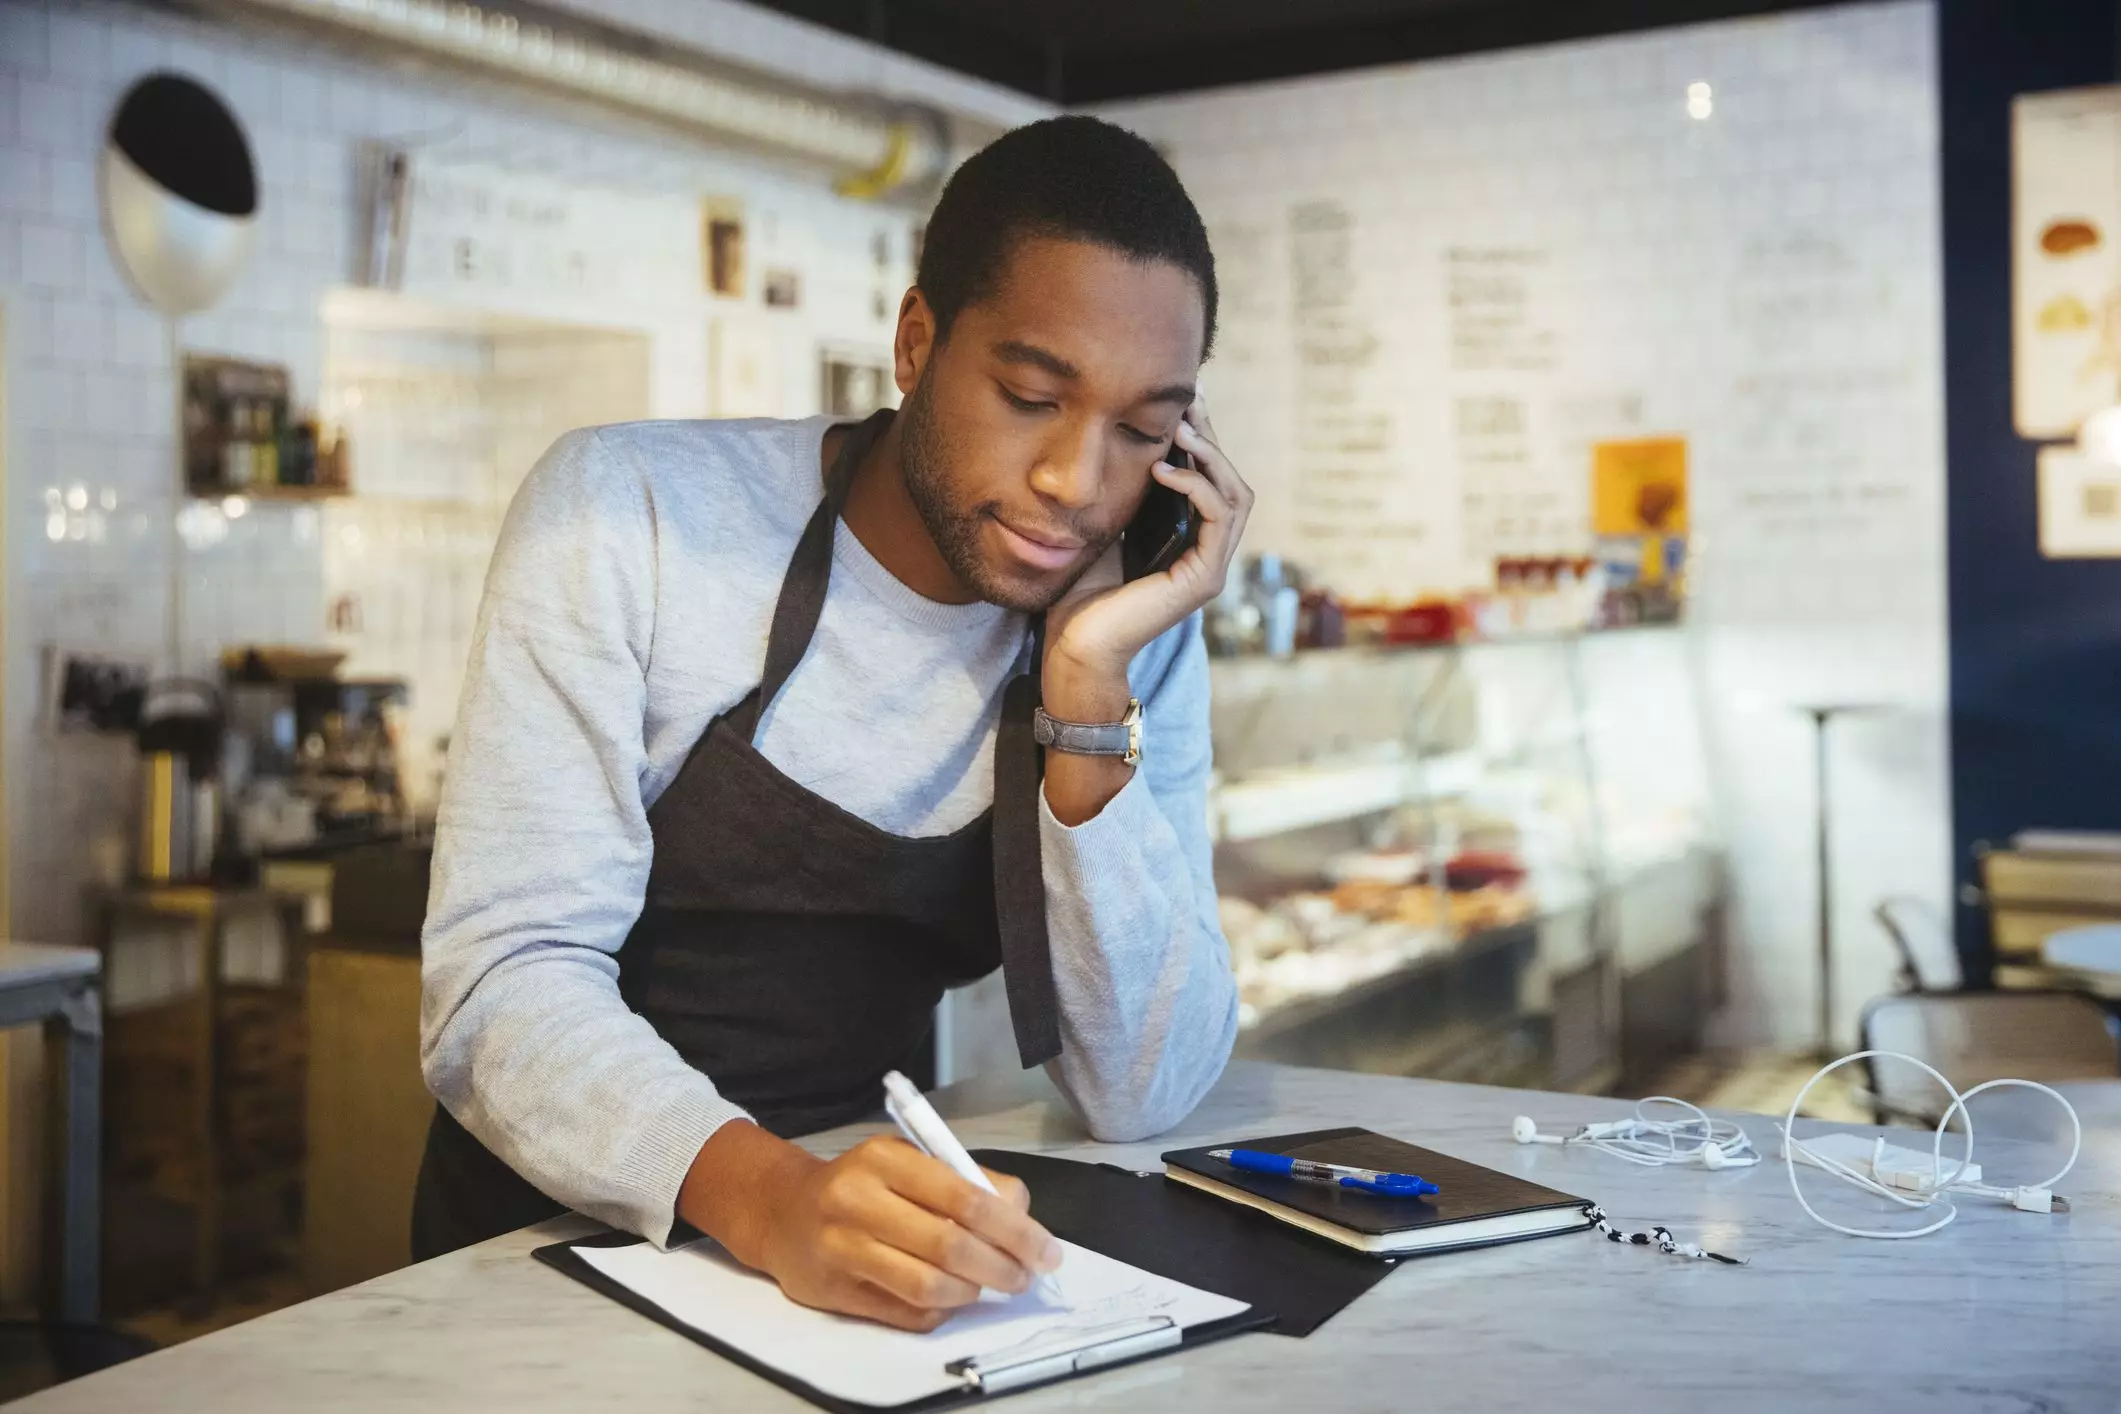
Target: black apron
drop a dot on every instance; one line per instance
(786, 948)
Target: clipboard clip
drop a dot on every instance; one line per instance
(1045, 1358)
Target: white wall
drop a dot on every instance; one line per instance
(95, 399)
(1765, 283)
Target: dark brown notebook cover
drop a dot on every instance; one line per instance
(1468, 1192)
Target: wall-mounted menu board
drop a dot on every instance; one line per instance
(2066, 258)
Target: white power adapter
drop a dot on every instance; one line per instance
(1908, 1169)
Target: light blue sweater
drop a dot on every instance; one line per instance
(626, 607)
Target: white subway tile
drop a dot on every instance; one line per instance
(80, 45)
(251, 84)
(137, 46)
(25, 182)
(73, 194)
(304, 100)
(10, 107)
(52, 257)
(25, 39)
(48, 117)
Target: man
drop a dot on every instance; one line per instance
(717, 832)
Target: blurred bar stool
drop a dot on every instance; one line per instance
(2089, 955)
(1972, 1037)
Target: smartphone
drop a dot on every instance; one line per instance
(1163, 529)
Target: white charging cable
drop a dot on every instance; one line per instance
(2031, 1198)
(1656, 1143)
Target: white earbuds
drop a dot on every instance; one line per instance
(1656, 1143)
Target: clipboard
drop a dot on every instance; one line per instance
(1147, 1221)
(982, 1378)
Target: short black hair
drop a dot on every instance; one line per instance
(1075, 177)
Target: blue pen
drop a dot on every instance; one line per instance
(1391, 1185)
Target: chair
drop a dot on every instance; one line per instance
(1928, 960)
(1972, 1037)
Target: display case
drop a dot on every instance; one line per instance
(1490, 861)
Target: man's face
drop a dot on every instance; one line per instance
(1027, 436)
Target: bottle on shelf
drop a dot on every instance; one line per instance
(238, 456)
(298, 453)
(265, 444)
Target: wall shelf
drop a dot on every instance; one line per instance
(271, 493)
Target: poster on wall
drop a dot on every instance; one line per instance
(2080, 506)
(2065, 258)
(474, 231)
(1639, 514)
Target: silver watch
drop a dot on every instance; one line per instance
(1122, 738)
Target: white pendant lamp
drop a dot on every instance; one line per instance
(180, 193)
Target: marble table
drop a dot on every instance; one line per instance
(2001, 1311)
(60, 987)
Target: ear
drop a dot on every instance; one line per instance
(914, 341)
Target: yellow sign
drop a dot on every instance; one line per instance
(1639, 487)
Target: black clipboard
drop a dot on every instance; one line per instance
(561, 1257)
(1148, 1221)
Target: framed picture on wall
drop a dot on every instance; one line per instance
(2065, 282)
(722, 246)
(784, 289)
(855, 383)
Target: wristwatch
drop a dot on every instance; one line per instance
(1122, 738)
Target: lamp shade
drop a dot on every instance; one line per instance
(180, 192)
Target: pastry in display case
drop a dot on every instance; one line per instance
(1452, 859)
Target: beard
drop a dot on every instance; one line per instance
(959, 531)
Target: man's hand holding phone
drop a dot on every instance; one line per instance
(883, 1231)
(1105, 620)
(1093, 633)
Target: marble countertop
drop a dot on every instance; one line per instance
(22, 964)
(2002, 1311)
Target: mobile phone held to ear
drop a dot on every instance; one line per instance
(1163, 529)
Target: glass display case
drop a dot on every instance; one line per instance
(1489, 861)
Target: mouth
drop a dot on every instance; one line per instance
(1044, 550)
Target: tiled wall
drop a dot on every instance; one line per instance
(449, 422)
(1763, 280)
(91, 493)
(97, 537)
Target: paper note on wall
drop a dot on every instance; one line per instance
(2065, 275)
(1638, 487)
(2080, 506)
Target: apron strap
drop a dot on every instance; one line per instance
(809, 576)
(1019, 875)
(1019, 880)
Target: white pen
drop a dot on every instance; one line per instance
(924, 1130)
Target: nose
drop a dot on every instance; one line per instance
(1070, 470)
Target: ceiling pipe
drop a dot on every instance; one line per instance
(871, 151)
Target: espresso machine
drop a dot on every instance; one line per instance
(311, 760)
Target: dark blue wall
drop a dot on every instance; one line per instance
(2035, 644)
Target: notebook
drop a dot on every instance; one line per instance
(1108, 1313)
(1475, 1207)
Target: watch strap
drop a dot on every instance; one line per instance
(1121, 738)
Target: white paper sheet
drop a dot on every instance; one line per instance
(703, 1287)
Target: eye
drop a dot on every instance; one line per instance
(1147, 439)
(1021, 404)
